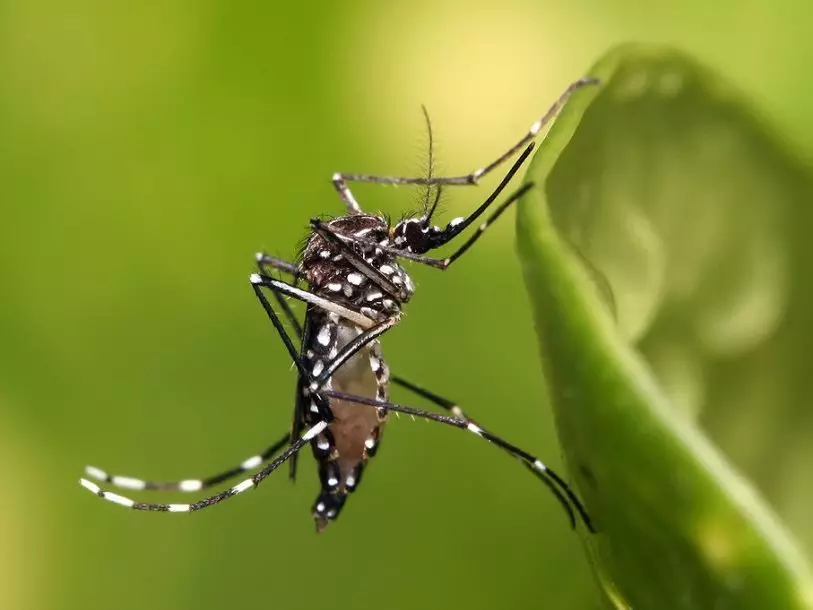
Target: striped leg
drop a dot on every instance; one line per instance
(383, 375)
(439, 237)
(340, 180)
(252, 481)
(264, 261)
(456, 411)
(532, 461)
(188, 484)
(257, 281)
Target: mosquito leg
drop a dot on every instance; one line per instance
(252, 481)
(189, 484)
(345, 194)
(264, 261)
(280, 288)
(340, 180)
(443, 264)
(257, 280)
(436, 399)
(531, 460)
(456, 411)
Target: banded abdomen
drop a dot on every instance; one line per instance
(354, 432)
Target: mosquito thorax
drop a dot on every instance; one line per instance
(330, 274)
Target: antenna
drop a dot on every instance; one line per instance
(427, 210)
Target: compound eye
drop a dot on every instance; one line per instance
(415, 238)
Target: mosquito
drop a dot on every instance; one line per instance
(355, 290)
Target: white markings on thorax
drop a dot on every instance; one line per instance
(325, 336)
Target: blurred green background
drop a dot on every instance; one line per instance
(147, 151)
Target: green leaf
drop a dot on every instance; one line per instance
(655, 245)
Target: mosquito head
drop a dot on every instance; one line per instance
(416, 234)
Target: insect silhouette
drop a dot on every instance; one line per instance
(356, 288)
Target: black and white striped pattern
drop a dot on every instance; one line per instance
(252, 481)
(533, 462)
(187, 485)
